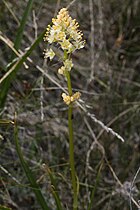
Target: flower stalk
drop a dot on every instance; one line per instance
(65, 32)
(71, 145)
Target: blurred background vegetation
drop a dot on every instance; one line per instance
(106, 72)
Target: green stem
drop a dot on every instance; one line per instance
(71, 158)
(71, 143)
(67, 74)
(69, 82)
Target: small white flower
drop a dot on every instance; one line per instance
(49, 54)
(68, 64)
(61, 70)
(66, 98)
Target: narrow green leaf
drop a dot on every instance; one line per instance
(20, 31)
(6, 121)
(54, 189)
(5, 85)
(35, 187)
(4, 208)
(90, 205)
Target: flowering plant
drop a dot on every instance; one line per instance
(65, 32)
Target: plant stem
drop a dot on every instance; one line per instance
(69, 83)
(68, 75)
(71, 145)
(71, 157)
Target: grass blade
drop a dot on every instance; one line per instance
(54, 189)
(20, 31)
(94, 189)
(4, 208)
(29, 174)
(5, 85)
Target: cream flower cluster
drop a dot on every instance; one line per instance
(65, 32)
(67, 66)
(68, 99)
